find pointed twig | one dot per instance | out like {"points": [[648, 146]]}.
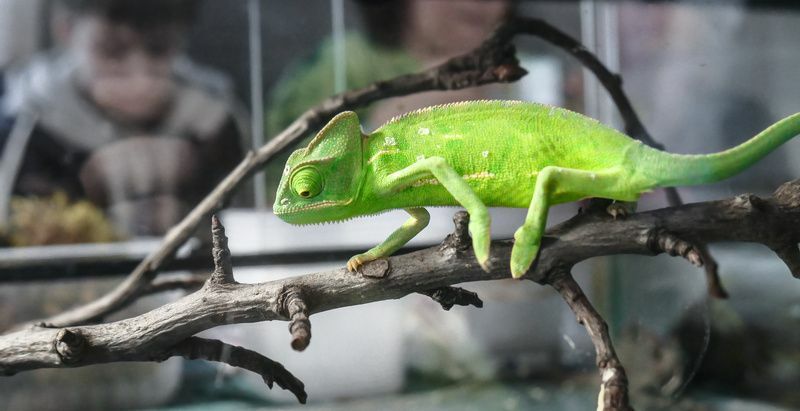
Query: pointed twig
{"points": [[223, 272], [195, 348]]}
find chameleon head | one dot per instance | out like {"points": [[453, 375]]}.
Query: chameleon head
{"points": [[321, 182]]}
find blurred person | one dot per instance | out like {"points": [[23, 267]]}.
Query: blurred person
{"points": [[20, 36], [117, 115], [399, 37]]}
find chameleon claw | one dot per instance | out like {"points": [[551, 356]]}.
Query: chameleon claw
{"points": [[485, 264], [523, 253], [622, 210], [355, 262]]}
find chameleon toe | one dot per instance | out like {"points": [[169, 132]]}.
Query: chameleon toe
{"points": [[485, 264], [354, 263]]}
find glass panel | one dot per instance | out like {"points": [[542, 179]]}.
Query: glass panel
{"points": [[116, 122]]}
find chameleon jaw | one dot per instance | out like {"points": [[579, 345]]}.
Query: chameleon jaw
{"points": [[295, 214], [321, 204]]}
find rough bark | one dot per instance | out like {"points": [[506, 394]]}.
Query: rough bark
{"points": [[164, 331]]}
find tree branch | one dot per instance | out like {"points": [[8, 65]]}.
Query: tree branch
{"points": [[614, 382], [492, 62], [195, 348], [154, 335]]}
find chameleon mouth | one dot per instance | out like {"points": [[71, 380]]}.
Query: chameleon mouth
{"points": [[289, 210]]}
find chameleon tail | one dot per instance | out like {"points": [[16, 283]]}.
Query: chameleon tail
{"points": [[668, 169]]}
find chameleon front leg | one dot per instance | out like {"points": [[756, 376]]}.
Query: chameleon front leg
{"points": [[556, 185], [419, 219], [479, 220]]}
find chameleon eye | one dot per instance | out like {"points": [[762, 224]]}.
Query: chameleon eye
{"points": [[307, 182]]}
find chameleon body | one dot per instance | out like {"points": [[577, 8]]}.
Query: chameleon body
{"points": [[481, 154]]}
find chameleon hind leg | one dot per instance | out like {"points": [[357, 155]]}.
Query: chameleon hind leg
{"points": [[419, 220], [555, 185], [438, 168]]}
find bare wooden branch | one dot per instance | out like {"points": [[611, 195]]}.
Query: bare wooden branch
{"points": [[492, 62], [590, 234], [614, 382]]}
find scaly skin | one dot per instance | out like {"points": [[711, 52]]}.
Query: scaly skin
{"points": [[481, 154]]}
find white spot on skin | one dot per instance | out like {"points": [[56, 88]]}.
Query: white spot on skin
{"points": [[389, 141], [424, 131], [286, 170], [485, 154], [427, 181], [284, 201], [483, 175]]}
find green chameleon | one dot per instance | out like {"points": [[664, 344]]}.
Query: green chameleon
{"points": [[481, 154]]}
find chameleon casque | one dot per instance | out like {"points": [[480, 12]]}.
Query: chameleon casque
{"points": [[481, 154]]}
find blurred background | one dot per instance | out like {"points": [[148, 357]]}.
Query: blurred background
{"points": [[117, 116]]}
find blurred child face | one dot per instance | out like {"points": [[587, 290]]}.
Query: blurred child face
{"points": [[448, 28], [127, 73]]}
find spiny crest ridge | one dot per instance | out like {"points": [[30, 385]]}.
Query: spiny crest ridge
{"points": [[456, 104]]}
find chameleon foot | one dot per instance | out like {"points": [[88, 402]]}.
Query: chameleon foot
{"points": [[620, 209], [481, 243], [523, 253], [355, 262]]}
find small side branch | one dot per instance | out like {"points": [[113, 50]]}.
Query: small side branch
{"points": [[447, 297], [614, 383], [195, 348], [223, 271], [296, 309], [663, 241], [713, 282]]}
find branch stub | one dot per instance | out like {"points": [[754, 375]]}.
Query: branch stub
{"points": [[69, 345]]}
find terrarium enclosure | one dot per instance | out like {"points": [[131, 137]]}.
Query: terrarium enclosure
{"points": [[124, 125]]}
